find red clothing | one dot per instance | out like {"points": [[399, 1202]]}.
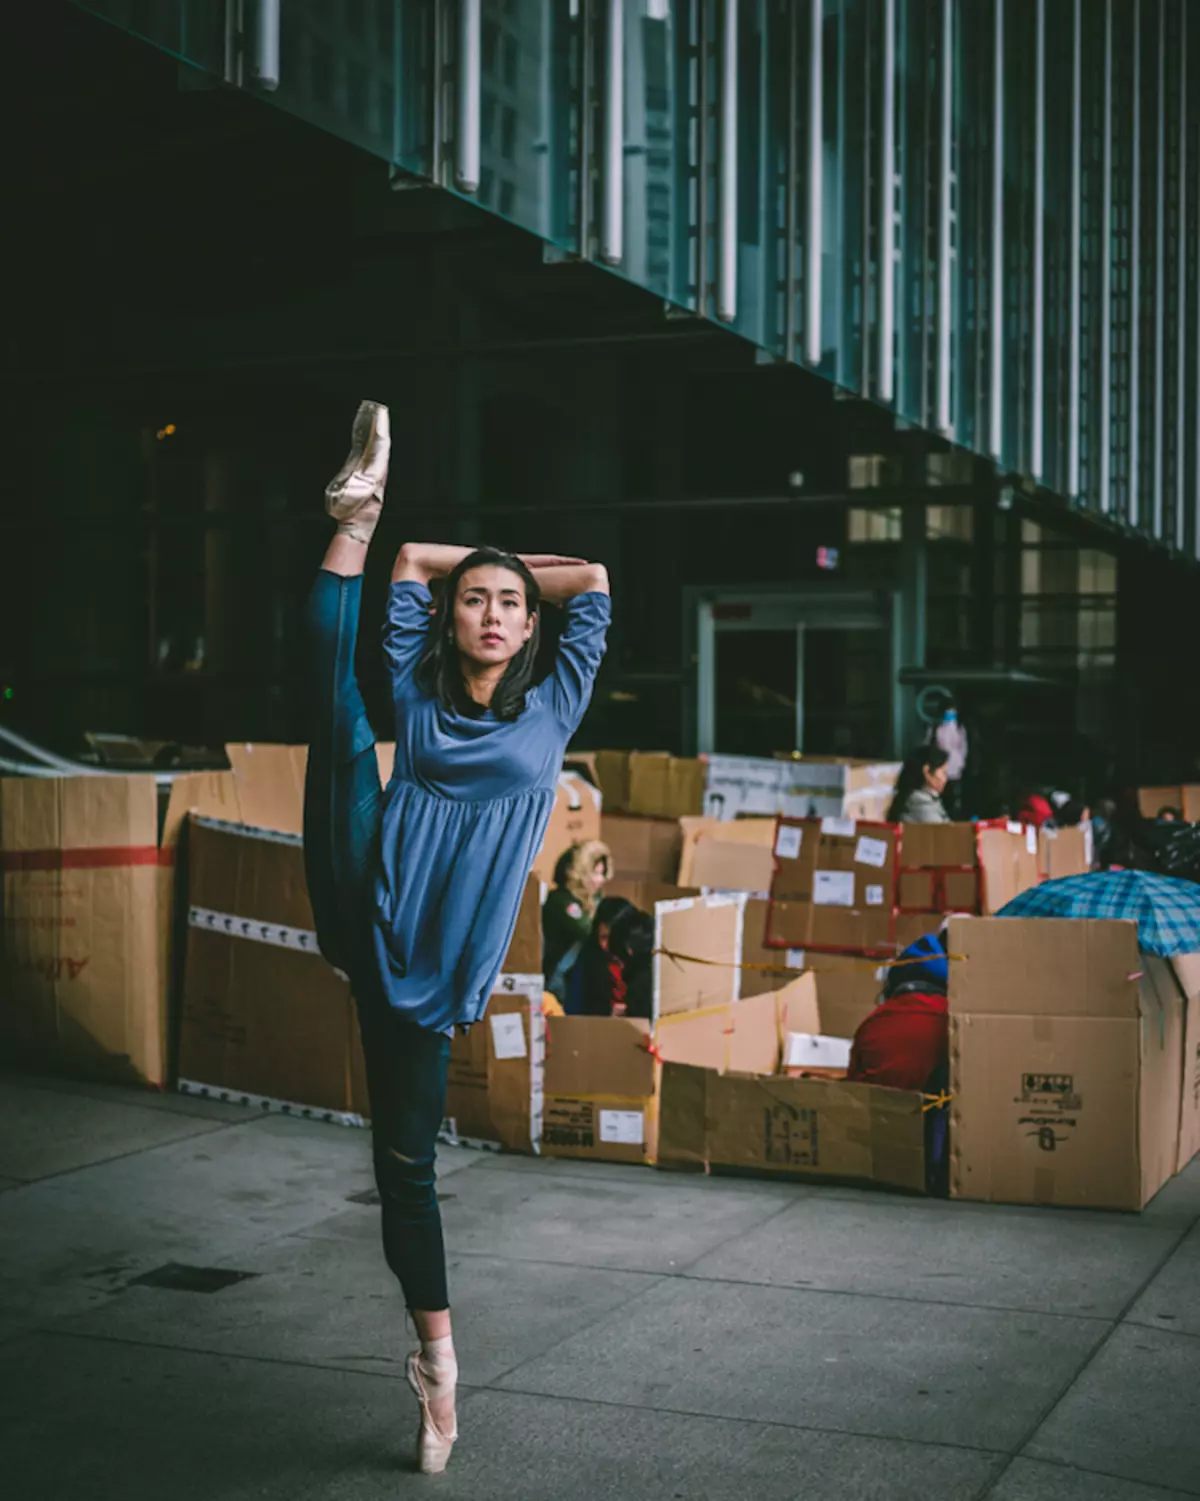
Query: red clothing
{"points": [[1037, 811], [902, 1041]]}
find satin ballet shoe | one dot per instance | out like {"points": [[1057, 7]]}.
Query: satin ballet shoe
{"points": [[362, 477], [433, 1444]]}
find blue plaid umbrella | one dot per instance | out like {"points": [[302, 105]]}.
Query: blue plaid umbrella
{"points": [[1166, 911]]}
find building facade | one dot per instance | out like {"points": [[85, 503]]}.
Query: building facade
{"points": [[859, 336]]}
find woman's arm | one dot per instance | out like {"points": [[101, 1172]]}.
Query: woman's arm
{"points": [[560, 581], [418, 562]]}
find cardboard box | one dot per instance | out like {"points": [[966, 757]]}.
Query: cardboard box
{"points": [[805, 1127], [1008, 863], [263, 1014], [1067, 1064], [798, 787], [643, 849], [496, 1079], [646, 893], [88, 891], [524, 955], [1186, 799], [600, 1099], [1064, 852], [698, 953], [1186, 969], [574, 820], [834, 886], [662, 786], [727, 856], [763, 969]]}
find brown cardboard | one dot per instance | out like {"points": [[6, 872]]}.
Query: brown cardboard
{"points": [[1007, 865], [1044, 967], [764, 969], [925, 845], [496, 1071], [847, 993], [646, 893], [721, 866], [270, 785], [88, 891], [599, 1089], [818, 1128], [262, 1013], [643, 849], [740, 1037], [1186, 968], [698, 954], [524, 955], [1067, 1063], [575, 819], [1151, 799], [662, 786], [756, 832], [1062, 852], [803, 917]]}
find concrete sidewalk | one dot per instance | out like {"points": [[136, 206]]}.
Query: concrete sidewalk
{"points": [[623, 1333]]}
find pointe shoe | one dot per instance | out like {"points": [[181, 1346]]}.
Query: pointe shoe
{"points": [[433, 1445], [362, 477]]}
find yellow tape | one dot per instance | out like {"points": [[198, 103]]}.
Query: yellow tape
{"points": [[849, 961], [936, 1101]]}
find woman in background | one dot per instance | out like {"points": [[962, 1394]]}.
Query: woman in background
{"points": [[567, 913], [920, 786]]}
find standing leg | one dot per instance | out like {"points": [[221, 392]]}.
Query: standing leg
{"points": [[406, 1065]]}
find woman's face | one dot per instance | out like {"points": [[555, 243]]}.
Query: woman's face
{"points": [[597, 877], [491, 621], [936, 779]]}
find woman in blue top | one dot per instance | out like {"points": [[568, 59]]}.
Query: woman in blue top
{"points": [[415, 888]]}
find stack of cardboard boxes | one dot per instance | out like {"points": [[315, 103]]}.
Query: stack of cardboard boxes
{"points": [[1075, 1061]]}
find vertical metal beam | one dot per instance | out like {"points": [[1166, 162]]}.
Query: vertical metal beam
{"points": [[1073, 341], [1135, 274], [944, 415], [1104, 436], [793, 171], [468, 94], [612, 220], [1160, 265], [815, 222], [1181, 242], [996, 352], [887, 208], [1037, 351], [266, 45], [727, 186]]}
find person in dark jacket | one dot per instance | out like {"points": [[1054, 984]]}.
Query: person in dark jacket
{"points": [[570, 909], [595, 976]]}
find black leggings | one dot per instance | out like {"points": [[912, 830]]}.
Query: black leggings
{"points": [[406, 1064]]}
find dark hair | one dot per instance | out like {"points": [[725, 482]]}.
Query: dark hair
{"points": [[440, 669], [1169, 813], [563, 867], [631, 935], [912, 777], [609, 910]]}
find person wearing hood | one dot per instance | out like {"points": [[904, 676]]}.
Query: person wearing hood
{"points": [[905, 1043], [570, 909]]}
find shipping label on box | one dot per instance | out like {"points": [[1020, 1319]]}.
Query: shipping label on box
{"points": [[837, 892]]}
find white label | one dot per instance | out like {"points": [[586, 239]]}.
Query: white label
{"points": [[623, 1128], [833, 888], [1013, 828], [300, 940], [795, 958], [1088, 850], [871, 852], [508, 1035], [881, 973], [787, 842], [1031, 839], [874, 896], [810, 1050], [844, 827]]}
